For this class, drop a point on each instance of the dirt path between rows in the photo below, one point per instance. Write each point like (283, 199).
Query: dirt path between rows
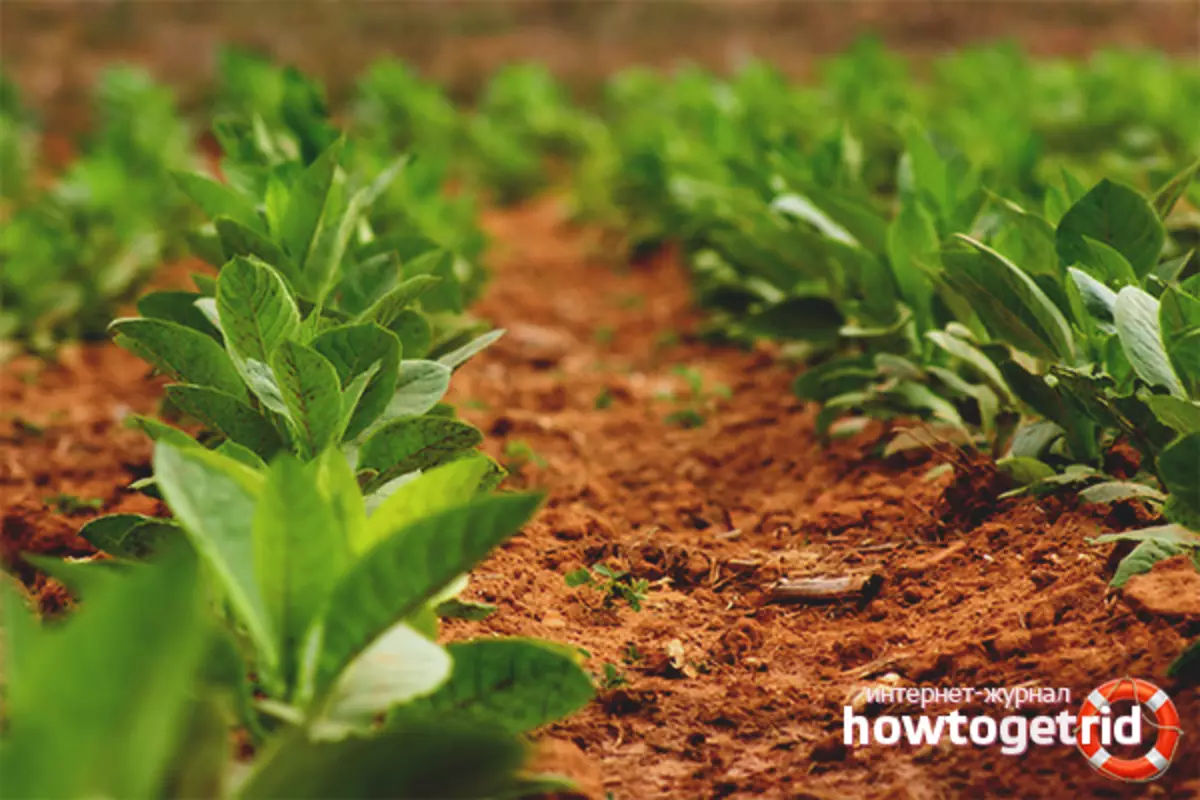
(713, 692)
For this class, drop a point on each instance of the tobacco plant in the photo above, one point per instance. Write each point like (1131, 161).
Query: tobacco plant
(71, 252)
(332, 609)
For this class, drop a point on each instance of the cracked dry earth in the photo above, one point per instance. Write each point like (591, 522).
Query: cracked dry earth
(714, 690)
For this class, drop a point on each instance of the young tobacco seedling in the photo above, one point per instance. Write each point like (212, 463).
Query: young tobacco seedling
(613, 584)
(299, 561)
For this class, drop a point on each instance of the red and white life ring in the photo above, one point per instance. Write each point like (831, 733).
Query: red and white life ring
(1166, 720)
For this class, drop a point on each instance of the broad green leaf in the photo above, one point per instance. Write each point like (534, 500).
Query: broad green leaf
(1023, 470)
(413, 443)
(1175, 412)
(1136, 316)
(385, 310)
(224, 413)
(1113, 491)
(1009, 302)
(973, 358)
(353, 349)
(1179, 470)
(300, 551)
(238, 241)
(1107, 265)
(312, 393)
(414, 331)
(181, 353)
(245, 455)
(218, 200)
(1027, 239)
(127, 660)
(407, 569)
(178, 307)
(160, 431)
(912, 241)
(418, 761)
(1143, 558)
(446, 294)
(420, 386)
(435, 490)
(131, 536)
(214, 499)
(801, 318)
(460, 355)
(257, 311)
(800, 207)
(1179, 320)
(336, 481)
(399, 666)
(1117, 216)
(514, 684)
(1098, 300)
(307, 205)
(1169, 193)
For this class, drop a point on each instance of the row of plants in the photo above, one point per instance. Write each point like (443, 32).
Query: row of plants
(74, 245)
(1013, 300)
(326, 504)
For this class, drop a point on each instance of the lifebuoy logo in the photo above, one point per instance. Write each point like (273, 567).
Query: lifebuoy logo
(1096, 724)
(1101, 733)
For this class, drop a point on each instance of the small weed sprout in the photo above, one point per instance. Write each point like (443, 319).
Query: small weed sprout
(613, 584)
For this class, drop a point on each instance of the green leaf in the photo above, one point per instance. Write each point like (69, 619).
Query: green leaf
(398, 666)
(420, 386)
(417, 761)
(1175, 412)
(1117, 216)
(300, 551)
(256, 309)
(1179, 320)
(311, 391)
(1113, 491)
(407, 569)
(1098, 300)
(218, 200)
(412, 443)
(120, 662)
(800, 207)
(1142, 559)
(515, 684)
(912, 241)
(214, 498)
(178, 307)
(181, 353)
(1169, 193)
(385, 310)
(131, 536)
(1136, 316)
(414, 331)
(802, 318)
(465, 609)
(1107, 265)
(433, 491)
(238, 241)
(308, 204)
(461, 355)
(1179, 470)
(242, 454)
(446, 295)
(224, 413)
(1023, 470)
(1009, 302)
(353, 349)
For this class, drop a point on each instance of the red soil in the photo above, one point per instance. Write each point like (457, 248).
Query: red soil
(726, 694)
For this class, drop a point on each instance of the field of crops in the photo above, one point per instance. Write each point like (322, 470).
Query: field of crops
(541, 445)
